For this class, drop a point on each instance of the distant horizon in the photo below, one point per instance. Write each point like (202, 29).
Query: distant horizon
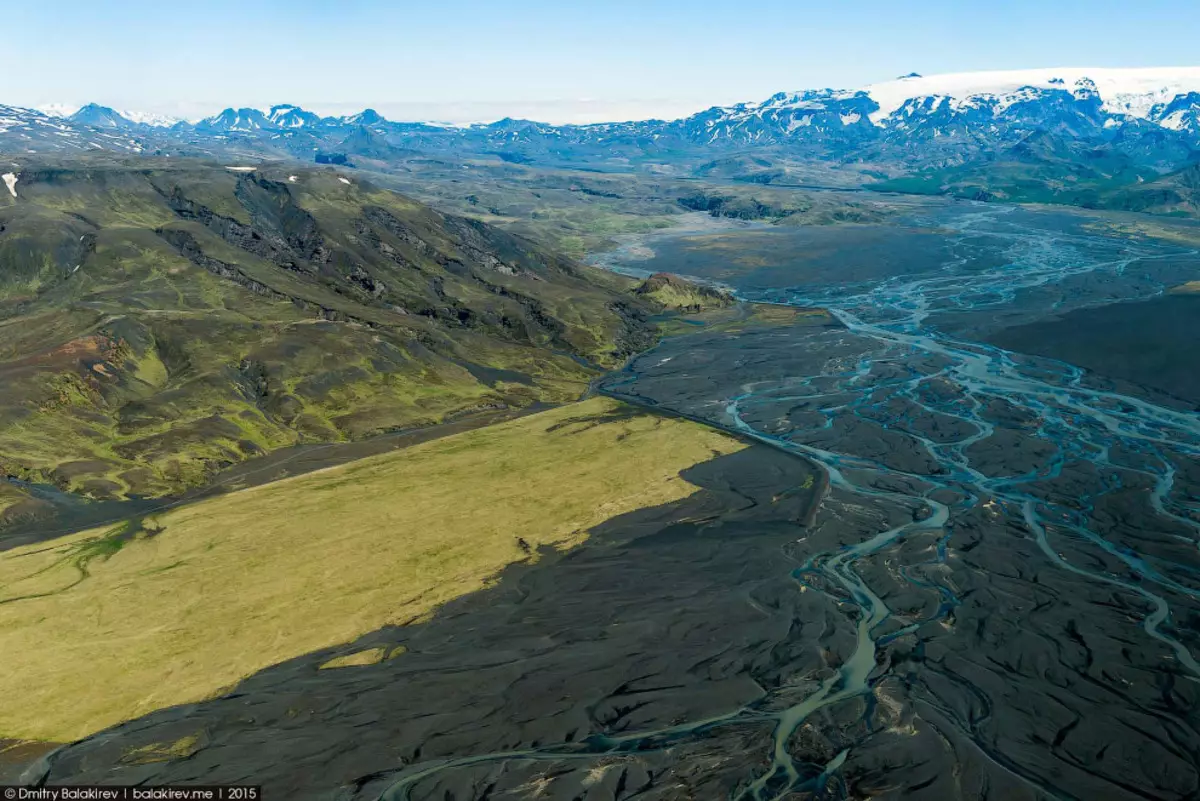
(460, 61)
(582, 111)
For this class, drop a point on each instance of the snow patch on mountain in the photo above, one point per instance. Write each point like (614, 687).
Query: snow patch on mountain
(1174, 121)
(798, 122)
(808, 100)
(58, 109)
(149, 118)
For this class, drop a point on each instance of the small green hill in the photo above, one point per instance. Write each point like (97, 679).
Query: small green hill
(673, 292)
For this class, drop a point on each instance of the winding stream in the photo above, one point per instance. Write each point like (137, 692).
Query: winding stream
(1086, 424)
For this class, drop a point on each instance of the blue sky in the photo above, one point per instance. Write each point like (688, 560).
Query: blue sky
(460, 60)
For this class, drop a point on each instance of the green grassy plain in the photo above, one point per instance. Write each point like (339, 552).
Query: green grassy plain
(109, 624)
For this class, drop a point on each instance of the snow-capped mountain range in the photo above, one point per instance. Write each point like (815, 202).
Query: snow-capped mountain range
(1149, 114)
(1136, 92)
(24, 130)
(980, 102)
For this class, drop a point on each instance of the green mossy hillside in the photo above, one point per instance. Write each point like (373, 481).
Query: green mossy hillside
(161, 320)
(675, 293)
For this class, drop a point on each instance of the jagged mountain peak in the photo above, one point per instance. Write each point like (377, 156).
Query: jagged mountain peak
(1181, 114)
(287, 115)
(283, 116)
(98, 116)
(367, 116)
(236, 119)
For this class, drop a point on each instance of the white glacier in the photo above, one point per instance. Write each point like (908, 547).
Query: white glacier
(1133, 91)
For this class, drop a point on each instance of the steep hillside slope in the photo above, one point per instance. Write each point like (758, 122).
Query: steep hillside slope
(1177, 193)
(1052, 167)
(160, 320)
